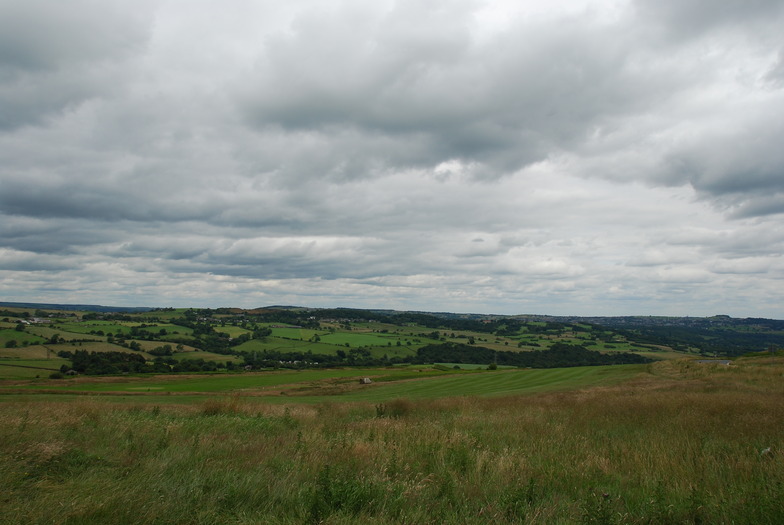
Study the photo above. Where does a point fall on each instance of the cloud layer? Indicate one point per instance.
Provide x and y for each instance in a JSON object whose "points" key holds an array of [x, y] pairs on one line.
{"points": [[602, 158]]}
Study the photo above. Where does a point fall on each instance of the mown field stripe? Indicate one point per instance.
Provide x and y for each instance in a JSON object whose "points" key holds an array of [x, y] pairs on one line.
{"points": [[497, 383]]}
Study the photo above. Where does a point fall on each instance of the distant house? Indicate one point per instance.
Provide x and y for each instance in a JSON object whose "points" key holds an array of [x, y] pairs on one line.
{"points": [[364, 381]]}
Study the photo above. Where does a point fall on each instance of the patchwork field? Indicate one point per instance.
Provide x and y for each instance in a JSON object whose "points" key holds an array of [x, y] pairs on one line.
{"points": [[188, 340]]}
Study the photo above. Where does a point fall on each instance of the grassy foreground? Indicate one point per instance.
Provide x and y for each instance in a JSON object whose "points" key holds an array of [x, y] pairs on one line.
{"points": [[685, 443]]}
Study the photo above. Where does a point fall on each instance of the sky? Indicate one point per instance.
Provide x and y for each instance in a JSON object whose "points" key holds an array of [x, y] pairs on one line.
{"points": [[613, 157]]}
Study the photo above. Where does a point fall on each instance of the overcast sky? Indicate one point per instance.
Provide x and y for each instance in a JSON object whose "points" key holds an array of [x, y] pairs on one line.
{"points": [[588, 157]]}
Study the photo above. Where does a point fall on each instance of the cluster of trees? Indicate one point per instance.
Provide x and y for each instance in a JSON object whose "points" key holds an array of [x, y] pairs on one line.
{"points": [[558, 356], [107, 316], [9, 313], [352, 357], [728, 341], [103, 363], [107, 363]]}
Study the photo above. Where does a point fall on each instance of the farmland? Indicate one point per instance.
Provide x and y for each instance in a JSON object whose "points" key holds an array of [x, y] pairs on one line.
{"points": [[188, 340], [231, 418]]}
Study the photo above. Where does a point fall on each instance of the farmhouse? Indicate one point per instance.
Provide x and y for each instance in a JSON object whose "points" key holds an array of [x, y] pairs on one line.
{"points": [[36, 320]]}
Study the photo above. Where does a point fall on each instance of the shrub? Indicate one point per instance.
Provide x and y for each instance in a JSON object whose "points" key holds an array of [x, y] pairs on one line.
{"points": [[216, 407], [395, 408]]}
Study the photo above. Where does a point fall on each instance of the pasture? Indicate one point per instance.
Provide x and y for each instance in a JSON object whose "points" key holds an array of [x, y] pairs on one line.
{"points": [[19, 338], [29, 368], [341, 385]]}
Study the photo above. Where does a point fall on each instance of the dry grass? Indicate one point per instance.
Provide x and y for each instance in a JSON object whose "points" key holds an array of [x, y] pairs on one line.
{"points": [[684, 444]]}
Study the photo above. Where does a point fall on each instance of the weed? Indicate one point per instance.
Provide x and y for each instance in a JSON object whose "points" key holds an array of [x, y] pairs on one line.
{"points": [[216, 407], [597, 508], [518, 502], [336, 490], [396, 408]]}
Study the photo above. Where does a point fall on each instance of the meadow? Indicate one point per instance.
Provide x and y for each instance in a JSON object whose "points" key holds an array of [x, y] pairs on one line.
{"points": [[671, 442]]}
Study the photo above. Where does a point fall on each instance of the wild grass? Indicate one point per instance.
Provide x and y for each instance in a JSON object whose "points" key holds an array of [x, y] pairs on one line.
{"points": [[683, 444]]}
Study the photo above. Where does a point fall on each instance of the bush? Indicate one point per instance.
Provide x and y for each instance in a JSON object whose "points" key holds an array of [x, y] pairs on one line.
{"points": [[395, 408], [217, 407]]}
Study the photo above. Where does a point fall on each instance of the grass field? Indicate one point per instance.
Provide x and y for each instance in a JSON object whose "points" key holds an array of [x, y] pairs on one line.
{"points": [[27, 352], [318, 386], [233, 331], [20, 338], [287, 345], [672, 442], [29, 368], [249, 383]]}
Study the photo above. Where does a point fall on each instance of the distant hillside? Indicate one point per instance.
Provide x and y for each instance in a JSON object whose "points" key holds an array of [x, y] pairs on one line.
{"points": [[719, 334], [77, 307], [715, 335]]}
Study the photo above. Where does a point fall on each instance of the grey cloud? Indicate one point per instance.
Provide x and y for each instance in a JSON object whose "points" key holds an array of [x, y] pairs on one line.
{"points": [[775, 75], [42, 35], [690, 18], [504, 103], [359, 151], [45, 237], [738, 167], [48, 52], [31, 262]]}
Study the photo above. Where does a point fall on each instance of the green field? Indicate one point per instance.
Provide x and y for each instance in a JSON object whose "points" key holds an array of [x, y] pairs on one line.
{"points": [[249, 383], [496, 383], [21, 338], [233, 331], [318, 386], [280, 344], [29, 368]]}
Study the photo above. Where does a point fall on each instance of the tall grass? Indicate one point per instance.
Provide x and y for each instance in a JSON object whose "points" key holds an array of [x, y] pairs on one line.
{"points": [[684, 444]]}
